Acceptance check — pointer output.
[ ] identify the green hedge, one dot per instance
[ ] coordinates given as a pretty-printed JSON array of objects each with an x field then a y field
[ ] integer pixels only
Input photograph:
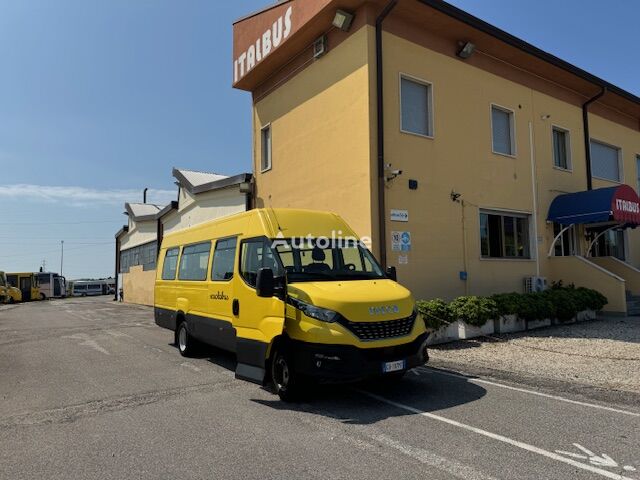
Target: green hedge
[{"x": 558, "y": 302}]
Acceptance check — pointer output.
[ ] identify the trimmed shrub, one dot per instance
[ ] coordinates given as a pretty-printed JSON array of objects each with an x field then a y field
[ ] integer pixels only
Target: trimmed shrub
[
  {"x": 435, "y": 313},
  {"x": 590, "y": 299},
  {"x": 535, "y": 306},
  {"x": 565, "y": 302},
  {"x": 474, "y": 310},
  {"x": 507, "y": 303}
]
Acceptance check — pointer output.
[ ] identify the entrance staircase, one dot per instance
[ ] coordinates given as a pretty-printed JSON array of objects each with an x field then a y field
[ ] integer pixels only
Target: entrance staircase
[{"x": 633, "y": 304}]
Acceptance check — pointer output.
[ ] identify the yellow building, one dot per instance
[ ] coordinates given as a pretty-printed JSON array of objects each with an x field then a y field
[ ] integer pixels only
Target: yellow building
[
  {"x": 446, "y": 141},
  {"x": 201, "y": 196}
]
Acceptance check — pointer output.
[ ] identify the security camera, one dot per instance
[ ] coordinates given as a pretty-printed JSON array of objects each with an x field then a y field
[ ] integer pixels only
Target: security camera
[{"x": 395, "y": 173}]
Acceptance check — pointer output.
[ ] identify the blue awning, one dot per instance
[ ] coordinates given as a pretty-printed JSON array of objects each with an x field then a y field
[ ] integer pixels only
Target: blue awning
[{"x": 618, "y": 203}]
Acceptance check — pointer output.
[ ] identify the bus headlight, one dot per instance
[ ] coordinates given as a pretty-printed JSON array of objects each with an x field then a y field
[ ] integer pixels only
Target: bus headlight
[{"x": 322, "y": 314}]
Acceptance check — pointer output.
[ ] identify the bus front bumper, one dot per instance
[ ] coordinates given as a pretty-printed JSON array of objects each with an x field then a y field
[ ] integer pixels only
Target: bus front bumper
[{"x": 347, "y": 363}]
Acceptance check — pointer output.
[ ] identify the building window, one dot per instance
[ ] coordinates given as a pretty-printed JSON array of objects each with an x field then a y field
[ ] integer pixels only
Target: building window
[
  {"x": 170, "y": 266},
  {"x": 265, "y": 140},
  {"x": 415, "y": 107},
  {"x": 194, "y": 262},
  {"x": 502, "y": 128},
  {"x": 504, "y": 236},
  {"x": 223, "y": 259},
  {"x": 611, "y": 243},
  {"x": 144, "y": 255},
  {"x": 565, "y": 246},
  {"x": 561, "y": 149},
  {"x": 605, "y": 161}
]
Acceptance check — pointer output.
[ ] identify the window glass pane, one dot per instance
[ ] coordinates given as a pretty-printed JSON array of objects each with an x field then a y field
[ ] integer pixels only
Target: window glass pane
[
  {"x": 560, "y": 154},
  {"x": 194, "y": 262},
  {"x": 484, "y": 234},
  {"x": 502, "y": 134},
  {"x": 605, "y": 161},
  {"x": 509, "y": 236},
  {"x": 495, "y": 236},
  {"x": 504, "y": 236},
  {"x": 266, "y": 148},
  {"x": 223, "y": 259},
  {"x": 306, "y": 257},
  {"x": 522, "y": 237},
  {"x": 170, "y": 264},
  {"x": 415, "y": 107},
  {"x": 257, "y": 255}
]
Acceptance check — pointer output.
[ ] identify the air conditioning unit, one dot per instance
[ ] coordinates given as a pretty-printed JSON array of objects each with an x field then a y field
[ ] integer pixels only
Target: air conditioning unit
[
  {"x": 535, "y": 284},
  {"x": 320, "y": 47}
]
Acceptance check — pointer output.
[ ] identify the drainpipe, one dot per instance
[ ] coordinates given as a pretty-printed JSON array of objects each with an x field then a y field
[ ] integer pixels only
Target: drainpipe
[
  {"x": 382, "y": 230},
  {"x": 144, "y": 195},
  {"x": 587, "y": 136}
]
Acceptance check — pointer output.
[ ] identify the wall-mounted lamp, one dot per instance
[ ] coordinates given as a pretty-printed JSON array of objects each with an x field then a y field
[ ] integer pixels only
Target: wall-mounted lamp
[
  {"x": 545, "y": 117},
  {"x": 343, "y": 20},
  {"x": 467, "y": 50}
]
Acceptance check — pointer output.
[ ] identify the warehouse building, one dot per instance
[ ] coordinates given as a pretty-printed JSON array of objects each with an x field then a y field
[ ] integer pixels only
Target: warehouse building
[
  {"x": 475, "y": 162},
  {"x": 201, "y": 196}
]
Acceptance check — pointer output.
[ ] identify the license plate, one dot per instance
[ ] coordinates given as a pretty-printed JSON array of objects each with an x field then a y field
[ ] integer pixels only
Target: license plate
[{"x": 393, "y": 366}]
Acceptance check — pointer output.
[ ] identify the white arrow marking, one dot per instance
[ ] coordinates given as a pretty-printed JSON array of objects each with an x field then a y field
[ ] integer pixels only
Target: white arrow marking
[{"x": 601, "y": 461}]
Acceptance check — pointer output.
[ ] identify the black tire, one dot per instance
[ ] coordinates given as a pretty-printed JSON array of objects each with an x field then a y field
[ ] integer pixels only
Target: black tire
[
  {"x": 286, "y": 382},
  {"x": 184, "y": 341},
  {"x": 43, "y": 297},
  {"x": 10, "y": 301}
]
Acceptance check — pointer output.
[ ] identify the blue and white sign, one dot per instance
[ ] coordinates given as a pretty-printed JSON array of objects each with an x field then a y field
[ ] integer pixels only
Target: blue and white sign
[
  {"x": 401, "y": 241},
  {"x": 399, "y": 215}
]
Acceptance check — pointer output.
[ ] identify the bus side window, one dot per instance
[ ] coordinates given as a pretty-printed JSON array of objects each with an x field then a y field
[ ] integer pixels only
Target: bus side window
[
  {"x": 224, "y": 256},
  {"x": 170, "y": 266}
]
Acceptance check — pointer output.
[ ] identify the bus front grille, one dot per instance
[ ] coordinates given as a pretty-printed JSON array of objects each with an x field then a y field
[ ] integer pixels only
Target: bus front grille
[{"x": 369, "y": 331}]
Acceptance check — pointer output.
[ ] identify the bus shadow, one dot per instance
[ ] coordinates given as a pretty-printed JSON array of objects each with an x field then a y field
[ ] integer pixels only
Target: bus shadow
[{"x": 364, "y": 403}]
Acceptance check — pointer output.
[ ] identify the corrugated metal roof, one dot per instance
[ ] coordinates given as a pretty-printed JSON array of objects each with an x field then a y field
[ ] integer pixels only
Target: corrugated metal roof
[
  {"x": 144, "y": 209},
  {"x": 196, "y": 178}
]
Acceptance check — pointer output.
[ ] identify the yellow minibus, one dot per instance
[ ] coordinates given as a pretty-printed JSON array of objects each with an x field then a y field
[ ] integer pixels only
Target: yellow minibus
[
  {"x": 11, "y": 294},
  {"x": 27, "y": 283},
  {"x": 293, "y": 293}
]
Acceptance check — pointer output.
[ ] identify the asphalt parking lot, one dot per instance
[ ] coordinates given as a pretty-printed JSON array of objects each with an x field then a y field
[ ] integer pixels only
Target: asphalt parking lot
[{"x": 93, "y": 389}]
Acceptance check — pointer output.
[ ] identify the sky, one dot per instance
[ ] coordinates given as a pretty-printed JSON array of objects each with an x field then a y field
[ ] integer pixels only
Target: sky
[{"x": 100, "y": 99}]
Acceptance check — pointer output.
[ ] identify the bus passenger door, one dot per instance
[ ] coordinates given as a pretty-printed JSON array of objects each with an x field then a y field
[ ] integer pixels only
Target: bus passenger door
[
  {"x": 218, "y": 329},
  {"x": 257, "y": 320},
  {"x": 25, "y": 288}
]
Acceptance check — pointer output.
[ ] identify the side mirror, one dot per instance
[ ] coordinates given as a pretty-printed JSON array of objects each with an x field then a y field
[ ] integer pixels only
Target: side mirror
[
  {"x": 392, "y": 274},
  {"x": 265, "y": 284}
]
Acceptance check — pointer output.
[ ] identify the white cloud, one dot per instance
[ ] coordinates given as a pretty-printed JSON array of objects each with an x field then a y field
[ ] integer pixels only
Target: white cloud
[{"x": 81, "y": 196}]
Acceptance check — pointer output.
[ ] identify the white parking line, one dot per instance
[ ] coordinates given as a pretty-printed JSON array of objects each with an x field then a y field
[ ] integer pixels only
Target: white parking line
[
  {"x": 531, "y": 392},
  {"x": 501, "y": 438}
]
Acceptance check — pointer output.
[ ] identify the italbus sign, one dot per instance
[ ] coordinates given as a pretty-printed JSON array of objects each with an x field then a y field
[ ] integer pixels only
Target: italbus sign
[
  {"x": 625, "y": 205},
  {"x": 264, "y": 44}
]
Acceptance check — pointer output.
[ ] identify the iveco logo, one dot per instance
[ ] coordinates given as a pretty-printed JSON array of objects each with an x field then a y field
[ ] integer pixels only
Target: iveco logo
[{"x": 384, "y": 310}]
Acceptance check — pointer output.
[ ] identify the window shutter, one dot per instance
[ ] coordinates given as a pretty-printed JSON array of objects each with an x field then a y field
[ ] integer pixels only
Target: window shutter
[
  {"x": 415, "y": 107},
  {"x": 501, "y": 124},
  {"x": 605, "y": 161}
]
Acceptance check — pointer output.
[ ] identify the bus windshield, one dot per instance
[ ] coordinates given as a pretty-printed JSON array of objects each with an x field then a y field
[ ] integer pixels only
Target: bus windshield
[{"x": 307, "y": 260}]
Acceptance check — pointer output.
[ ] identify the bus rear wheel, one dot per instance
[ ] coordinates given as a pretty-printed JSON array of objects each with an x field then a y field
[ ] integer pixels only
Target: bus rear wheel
[
  {"x": 185, "y": 342},
  {"x": 286, "y": 382}
]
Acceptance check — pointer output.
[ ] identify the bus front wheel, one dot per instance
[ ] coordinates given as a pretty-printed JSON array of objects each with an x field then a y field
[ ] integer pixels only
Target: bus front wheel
[{"x": 286, "y": 382}]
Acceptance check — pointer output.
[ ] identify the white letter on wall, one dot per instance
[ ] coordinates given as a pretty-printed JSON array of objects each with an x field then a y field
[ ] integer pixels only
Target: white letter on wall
[
  {"x": 287, "y": 22},
  {"x": 277, "y": 33},
  {"x": 251, "y": 58}
]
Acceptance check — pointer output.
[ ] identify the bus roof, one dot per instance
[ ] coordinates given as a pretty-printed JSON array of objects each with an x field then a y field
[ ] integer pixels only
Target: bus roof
[{"x": 271, "y": 222}]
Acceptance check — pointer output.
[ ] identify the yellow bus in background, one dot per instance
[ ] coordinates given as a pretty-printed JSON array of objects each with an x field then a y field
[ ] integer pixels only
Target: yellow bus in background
[
  {"x": 27, "y": 283},
  {"x": 11, "y": 294},
  {"x": 294, "y": 293}
]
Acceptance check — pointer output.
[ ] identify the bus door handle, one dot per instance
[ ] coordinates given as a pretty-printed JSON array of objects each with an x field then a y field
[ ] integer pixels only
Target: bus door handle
[{"x": 235, "y": 307}]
